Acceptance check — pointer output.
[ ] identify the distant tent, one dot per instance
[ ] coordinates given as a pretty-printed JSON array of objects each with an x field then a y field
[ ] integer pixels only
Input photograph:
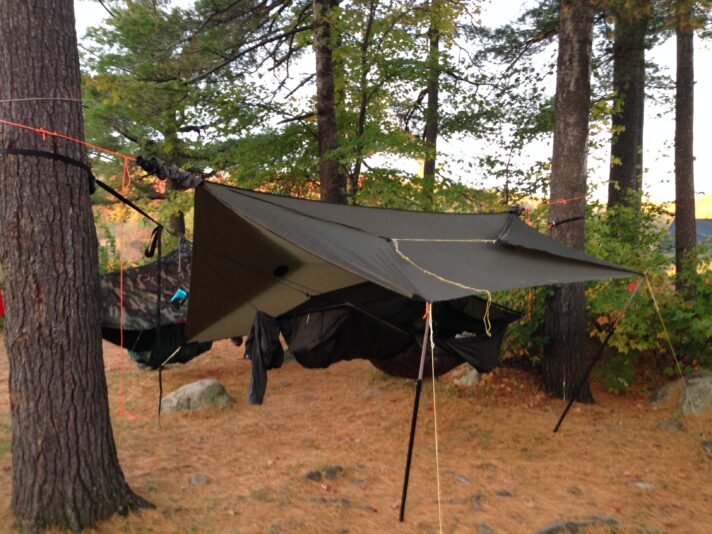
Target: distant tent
[
  {"x": 139, "y": 301},
  {"x": 703, "y": 231},
  {"x": 261, "y": 252}
]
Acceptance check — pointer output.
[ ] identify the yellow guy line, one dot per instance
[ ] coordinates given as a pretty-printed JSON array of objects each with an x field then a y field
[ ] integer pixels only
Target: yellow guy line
[
  {"x": 486, "y": 318},
  {"x": 435, "y": 418}
]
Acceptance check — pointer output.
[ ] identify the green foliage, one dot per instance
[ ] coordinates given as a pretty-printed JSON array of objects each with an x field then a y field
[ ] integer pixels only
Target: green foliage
[{"x": 637, "y": 240}]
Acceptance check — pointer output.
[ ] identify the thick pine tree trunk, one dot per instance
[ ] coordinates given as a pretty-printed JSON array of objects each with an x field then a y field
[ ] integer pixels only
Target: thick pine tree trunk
[
  {"x": 685, "y": 238},
  {"x": 431, "y": 112},
  {"x": 626, "y": 169},
  {"x": 332, "y": 183},
  {"x": 65, "y": 468},
  {"x": 564, "y": 360}
]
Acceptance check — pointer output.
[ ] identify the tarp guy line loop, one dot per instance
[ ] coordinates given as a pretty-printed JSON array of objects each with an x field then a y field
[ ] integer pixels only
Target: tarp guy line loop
[
  {"x": 485, "y": 318},
  {"x": 435, "y": 416}
]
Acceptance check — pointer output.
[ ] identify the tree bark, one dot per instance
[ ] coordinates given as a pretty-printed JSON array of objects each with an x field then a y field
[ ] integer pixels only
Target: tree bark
[
  {"x": 332, "y": 186},
  {"x": 432, "y": 118},
  {"x": 65, "y": 468},
  {"x": 626, "y": 171},
  {"x": 564, "y": 360},
  {"x": 685, "y": 231}
]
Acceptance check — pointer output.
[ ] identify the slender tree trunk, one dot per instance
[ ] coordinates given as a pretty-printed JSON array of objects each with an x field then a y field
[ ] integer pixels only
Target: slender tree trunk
[
  {"x": 432, "y": 118},
  {"x": 685, "y": 236},
  {"x": 625, "y": 179},
  {"x": 64, "y": 463},
  {"x": 332, "y": 182},
  {"x": 364, "y": 97},
  {"x": 564, "y": 360}
]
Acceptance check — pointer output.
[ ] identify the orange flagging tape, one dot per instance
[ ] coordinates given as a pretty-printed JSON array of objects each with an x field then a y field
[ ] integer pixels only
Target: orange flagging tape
[
  {"x": 125, "y": 183},
  {"x": 44, "y": 133}
]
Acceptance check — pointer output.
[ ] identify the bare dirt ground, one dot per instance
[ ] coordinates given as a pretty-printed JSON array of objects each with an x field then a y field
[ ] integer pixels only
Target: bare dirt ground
[{"x": 500, "y": 464}]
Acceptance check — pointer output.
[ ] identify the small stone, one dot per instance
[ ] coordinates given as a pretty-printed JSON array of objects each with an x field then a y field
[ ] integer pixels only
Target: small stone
[
  {"x": 504, "y": 493},
  {"x": 575, "y": 526},
  {"x": 200, "y": 480},
  {"x": 332, "y": 471},
  {"x": 663, "y": 393},
  {"x": 196, "y": 395},
  {"x": 707, "y": 447},
  {"x": 574, "y": 490},
  {"x": 483, "y": 528},
  {"x": 467, "y": 376},
  {"x": 313, "y": 475},
  {"x": 641, "y": 484},
  {"x": 671, "y": 424},
  {"x": 370, "y": 509},
  {"x": 462, "y": 479},
  {"x": 358, "y": 481},
  {"x": 346, "y": 503},
  {"x": 475, "y": 500}
]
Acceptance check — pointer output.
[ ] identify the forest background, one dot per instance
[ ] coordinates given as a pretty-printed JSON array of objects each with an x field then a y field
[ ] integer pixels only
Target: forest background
[{"x": 232, "y": 96}]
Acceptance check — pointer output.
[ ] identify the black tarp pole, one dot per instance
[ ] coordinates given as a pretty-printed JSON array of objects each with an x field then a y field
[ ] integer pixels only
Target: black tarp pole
[
  {"x": 414, "y": 420},
  {"x": 594, "y": 361}
]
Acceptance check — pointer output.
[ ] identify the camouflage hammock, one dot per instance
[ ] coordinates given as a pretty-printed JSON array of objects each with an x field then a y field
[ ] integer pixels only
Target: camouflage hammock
[{"x": 140, "y": 318}]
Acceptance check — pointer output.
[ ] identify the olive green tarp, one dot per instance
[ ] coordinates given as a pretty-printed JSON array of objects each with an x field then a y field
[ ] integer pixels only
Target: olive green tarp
[{"x": 262, "y": 252}]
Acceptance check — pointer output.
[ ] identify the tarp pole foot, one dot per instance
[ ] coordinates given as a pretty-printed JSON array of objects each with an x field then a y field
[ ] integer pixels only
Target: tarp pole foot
[
  {"x": 414, "y": 421},
  {"x": 416, "y": 403}
]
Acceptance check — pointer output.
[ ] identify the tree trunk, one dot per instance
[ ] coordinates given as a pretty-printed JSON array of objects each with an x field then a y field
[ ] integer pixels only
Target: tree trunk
[
  {"x": 564, "y": 360},
  {"x": 431, "y": 112},
  {"x": 332, "y": 183},
  {"x": 685, "y": 237},
  {"x": 363, "y": 99},
  {"x": 625, "y": 178},
  {"x": 64, "y": 463}
]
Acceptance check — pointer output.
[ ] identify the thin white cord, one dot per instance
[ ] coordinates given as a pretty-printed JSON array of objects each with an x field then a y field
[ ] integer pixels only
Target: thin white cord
[
  {"x": 39, "y": 98},
  {"x": 435, "y": 418}
]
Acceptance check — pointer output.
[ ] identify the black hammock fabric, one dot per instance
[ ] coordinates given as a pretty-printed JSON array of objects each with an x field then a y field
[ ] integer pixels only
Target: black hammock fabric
[{"x": 367, "y": 321}]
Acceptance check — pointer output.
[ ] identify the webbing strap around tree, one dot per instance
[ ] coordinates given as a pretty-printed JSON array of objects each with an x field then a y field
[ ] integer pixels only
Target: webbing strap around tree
[{"x": 10, "y": 151}]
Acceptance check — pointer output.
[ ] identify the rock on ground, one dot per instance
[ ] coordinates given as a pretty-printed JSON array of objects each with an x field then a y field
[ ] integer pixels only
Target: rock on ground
[
  {"x": 196, "y": 395},
  {"x": 695, "y": 397},
  {"x": 466, "y": 376},
  {"x": 707, "y": 447},
  {"x": 575, "y": 526}
]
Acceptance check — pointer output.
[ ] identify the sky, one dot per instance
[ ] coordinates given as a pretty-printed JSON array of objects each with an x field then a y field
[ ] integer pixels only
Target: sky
[{"x": 659, "y": 131}]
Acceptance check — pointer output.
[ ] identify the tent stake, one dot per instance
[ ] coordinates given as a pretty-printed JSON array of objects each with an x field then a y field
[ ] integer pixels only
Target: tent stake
[
  {"x": 414, "y": 420},
  {"x": 593, "y": 363}
]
